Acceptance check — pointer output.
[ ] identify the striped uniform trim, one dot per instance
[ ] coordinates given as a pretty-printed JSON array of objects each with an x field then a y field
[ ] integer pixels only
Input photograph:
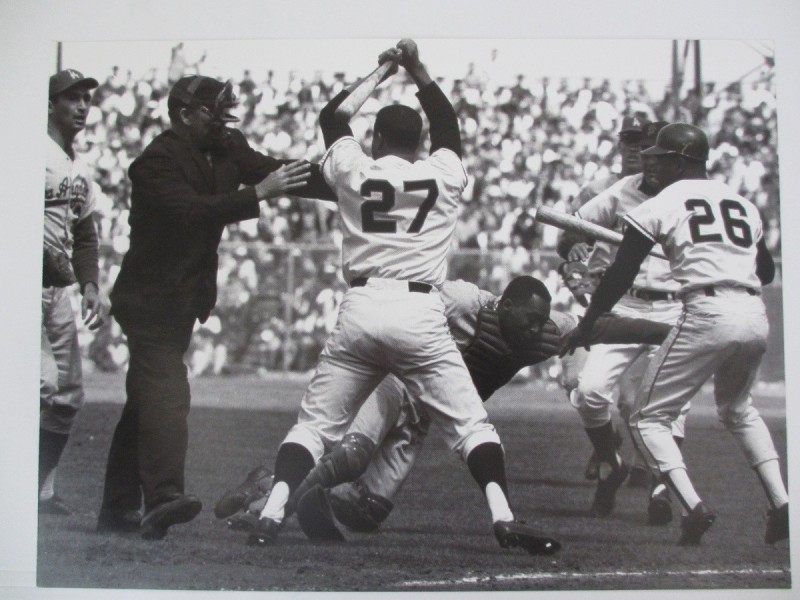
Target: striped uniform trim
[
  {"x": 678, "y": 328},
  {"x": 640, "y": 228}
]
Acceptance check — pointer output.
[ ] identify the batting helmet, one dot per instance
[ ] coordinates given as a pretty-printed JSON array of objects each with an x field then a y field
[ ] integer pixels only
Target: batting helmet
[{"x": 680, "y": 138}]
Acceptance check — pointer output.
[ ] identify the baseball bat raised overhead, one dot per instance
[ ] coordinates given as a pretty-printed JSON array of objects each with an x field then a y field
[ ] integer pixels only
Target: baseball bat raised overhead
[
  {"x": 562, "y": 220},
  {"x": 362, "y": 91}
]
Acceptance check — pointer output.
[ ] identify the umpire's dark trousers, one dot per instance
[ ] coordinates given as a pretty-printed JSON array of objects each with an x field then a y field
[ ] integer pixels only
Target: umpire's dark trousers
[{"x": 148, "y": 450}]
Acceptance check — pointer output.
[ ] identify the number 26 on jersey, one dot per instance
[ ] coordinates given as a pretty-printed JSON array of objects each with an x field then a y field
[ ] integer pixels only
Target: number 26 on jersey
[{"x": 704, "y": 224}]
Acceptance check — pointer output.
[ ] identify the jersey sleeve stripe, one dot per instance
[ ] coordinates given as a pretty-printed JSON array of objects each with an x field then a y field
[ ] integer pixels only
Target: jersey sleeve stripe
[{"x": 640, "y": 228}]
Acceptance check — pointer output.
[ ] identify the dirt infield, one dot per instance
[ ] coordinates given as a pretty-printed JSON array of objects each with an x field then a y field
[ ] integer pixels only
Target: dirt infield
[{"x": 439, "y": 537}]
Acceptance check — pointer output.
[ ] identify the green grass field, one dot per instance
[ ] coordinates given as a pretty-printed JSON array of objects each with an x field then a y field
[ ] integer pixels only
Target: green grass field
[{"x": 439, "y": 535}]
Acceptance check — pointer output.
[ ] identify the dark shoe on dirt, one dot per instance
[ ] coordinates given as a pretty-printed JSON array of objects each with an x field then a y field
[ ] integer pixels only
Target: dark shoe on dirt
[
  {"x": 695, "y": 524},
  {"x": 516, "y": 534},
  {"x": 777, "y": 524},
  {"x": 181, "y": 509}
]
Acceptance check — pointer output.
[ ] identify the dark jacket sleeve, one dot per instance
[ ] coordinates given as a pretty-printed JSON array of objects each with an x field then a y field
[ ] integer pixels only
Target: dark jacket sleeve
[
  {"x": 255, "y": 166},
  {"x": 612, "y": 329},
  {"x": 85, "y": 252},
  {"x": 442, "y": 117},
  {"x": 621, "y": 274},
  {"x": 333, "y": 128},
  {"x": 160, "y": 183}
]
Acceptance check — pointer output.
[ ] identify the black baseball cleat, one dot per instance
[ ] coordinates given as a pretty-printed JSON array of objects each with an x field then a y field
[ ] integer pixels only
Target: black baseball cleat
[
  {"x": 606, "y": 492},
  {"x": 516, "y": 534},
  {"x": 659, "y": 508},
  {"x": 257, "y": 483},
  {"x": 54, "y": 505},
  {"x": 265, "y": 533},
  {"x": 777, "y": 524},
  {"x": 246, "y": 521},
  {"x": 180, "y": 509},
  {"x": 695, "y": 524},
  {"x": 118, "y": 521}
]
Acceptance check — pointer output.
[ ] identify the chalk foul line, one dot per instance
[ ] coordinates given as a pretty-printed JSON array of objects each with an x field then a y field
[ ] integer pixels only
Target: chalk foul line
[{"x": 572, "y": 575}]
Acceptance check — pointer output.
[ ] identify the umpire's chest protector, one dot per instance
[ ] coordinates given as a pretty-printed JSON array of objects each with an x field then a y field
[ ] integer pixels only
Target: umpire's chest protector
[{"x": 490, "y": 360}]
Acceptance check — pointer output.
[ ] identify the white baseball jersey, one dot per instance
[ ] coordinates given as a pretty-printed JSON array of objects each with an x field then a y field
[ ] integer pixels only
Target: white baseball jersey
[
  {"x": 397, "y": 217},
  {"x": 708, "y": 231},
  {"x": 590, "y": 189},
  {"x": 68, "y": 197},
  {"x": 608, "y": 209}
]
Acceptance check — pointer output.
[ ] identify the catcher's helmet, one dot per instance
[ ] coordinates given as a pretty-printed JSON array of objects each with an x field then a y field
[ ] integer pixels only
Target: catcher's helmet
[{"x": 680, "y": 138}]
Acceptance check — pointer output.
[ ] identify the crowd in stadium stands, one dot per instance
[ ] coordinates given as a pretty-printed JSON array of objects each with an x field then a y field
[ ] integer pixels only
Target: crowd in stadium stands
[{"x": 525, "y": 145}]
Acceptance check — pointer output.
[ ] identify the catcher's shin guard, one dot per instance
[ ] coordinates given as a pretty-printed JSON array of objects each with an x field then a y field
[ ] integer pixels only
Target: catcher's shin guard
[
  {"x": 364, "y": 513},
  {"x": 346, "y": 462},
  {"x": 315, "y": 516}
]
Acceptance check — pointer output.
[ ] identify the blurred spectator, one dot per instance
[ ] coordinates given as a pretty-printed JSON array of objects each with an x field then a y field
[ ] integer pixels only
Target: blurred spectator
[{"x": 526, "y": 144}]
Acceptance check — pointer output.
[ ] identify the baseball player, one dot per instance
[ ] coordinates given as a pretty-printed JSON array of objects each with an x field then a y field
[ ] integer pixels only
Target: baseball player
[
  {"x": 495, "y": 338},
  {"x": 617, "y": 369},
  {"x": 635, "y": 131},
  {"x": 713, "y": 239},
  {"x": 70, "y": 255},
  {"x": 397, "y": 216}
]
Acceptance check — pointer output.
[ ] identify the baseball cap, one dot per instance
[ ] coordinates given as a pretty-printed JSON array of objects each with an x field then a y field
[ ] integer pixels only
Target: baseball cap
[
  {"x": 650, "y": 132},
  {"x": 63, "y": 80},
  {"x": 632, "y": 124},
  {"x": 199, "y": 90}
]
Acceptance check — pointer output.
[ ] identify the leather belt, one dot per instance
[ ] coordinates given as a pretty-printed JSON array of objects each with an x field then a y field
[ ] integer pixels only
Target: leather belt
[
  {"x": 710, "y": 290},
  {"x": 413, "y": 286},
  {"x": 651, "y": 295}
]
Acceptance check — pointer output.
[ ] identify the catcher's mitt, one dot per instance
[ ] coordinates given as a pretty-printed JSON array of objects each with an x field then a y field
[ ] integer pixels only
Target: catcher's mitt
[
  {"x": 545, "y": 345},
  {"x": 56, "y": 269},
  {"x": 578, "y": 280}
]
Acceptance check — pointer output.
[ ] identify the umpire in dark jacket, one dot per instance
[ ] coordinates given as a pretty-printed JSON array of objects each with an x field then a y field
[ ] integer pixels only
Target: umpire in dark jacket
[{"x": 185, "y": 190}]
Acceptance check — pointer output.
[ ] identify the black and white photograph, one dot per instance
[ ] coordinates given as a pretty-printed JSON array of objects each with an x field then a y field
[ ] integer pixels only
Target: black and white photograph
[{"x": 398, "y": 310}]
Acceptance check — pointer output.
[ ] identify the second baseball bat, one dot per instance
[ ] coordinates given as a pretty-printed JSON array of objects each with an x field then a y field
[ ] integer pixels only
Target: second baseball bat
[{"x": 562, "y": 220}]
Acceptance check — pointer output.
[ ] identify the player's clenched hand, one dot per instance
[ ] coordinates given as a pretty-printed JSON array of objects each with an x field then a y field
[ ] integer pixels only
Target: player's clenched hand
[
  {"x": 392, "y": 55},
  {"x": 579, "y": 251},
  {"x": 575, "y": 339},
  {"x": 410, "y": 53},
  {"x": 92, "y": 307},
  {"x": 284, "y": 180}
]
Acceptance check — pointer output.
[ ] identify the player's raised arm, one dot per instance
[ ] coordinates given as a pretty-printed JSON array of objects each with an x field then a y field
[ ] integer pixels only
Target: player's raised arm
[
  {"x": 334, "y": 118},
  {"x": 444, "y": 130}
]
